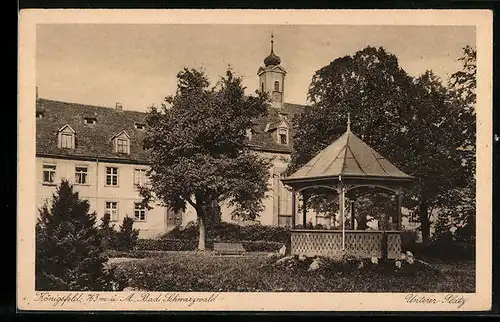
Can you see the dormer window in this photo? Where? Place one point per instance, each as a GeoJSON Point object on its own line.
{"type": "Point", "coordinates": [140, 126]}
{"type": "Point", "coordinates": [283, 136]}
{"type": "Point", "coordinates": [276, 86]}
{"type": "Point", "coordinates": [122, 146]}
{"type": "Point", "coordinates": [66, 137]}
{"type": "Point", "coordinates": [122, 142]}
{"type": "Point", "coordinates": [90, 120]}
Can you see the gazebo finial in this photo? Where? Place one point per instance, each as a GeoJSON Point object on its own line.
{"type": "Point", "coordinates": [348, 122]}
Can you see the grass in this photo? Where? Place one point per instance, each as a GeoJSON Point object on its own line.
{"type": "Point", "coordinates": [204, 272]}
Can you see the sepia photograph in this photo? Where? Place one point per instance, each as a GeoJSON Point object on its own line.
{"type": "Point", "coordinates": [173, 158]}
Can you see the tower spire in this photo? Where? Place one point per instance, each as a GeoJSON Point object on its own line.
{"type": "Point", "coordinates": [348, 122]}
{"type": "Point", "coordinates": [272, 41]}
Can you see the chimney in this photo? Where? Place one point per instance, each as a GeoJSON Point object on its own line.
{"type": "Point", "coordinates": [119, 106]}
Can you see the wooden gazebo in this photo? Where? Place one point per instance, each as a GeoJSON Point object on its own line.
{"type": "Point", "coordinates": [345, 165]}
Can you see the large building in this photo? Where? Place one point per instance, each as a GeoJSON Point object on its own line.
{"type": "Point", "coordinates": [99, 150]}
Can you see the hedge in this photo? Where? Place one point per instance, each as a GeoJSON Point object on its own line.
{"type": "Point", "coordinates": [442, 251]}
{"type": "Point", "coordinates": [190, 245]}
{"type": "Point", "coordinates": [231, 233]}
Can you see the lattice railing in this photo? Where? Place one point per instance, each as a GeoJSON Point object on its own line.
{"type": "Point", "coordinates": [365, 244]}
{"type": "Point", "coordinates": [393, 245]}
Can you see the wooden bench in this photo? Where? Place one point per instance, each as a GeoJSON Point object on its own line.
{"type": "Point", "coordinates": [229, 249]}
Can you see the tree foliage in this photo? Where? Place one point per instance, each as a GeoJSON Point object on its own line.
{"type": "Point", "coordinates": [197, 146]}
{"type": "Point", "coordinates": [107, 232]}
{"type": "Point", "coordinates": [126, 237]}
{"type": "Point", "coordinates": [417, 123]}
{"type": "Point", "coordinates": [68, 246]}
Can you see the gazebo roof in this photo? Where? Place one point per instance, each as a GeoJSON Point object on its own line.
{"type": "Point", "coordinates": [348, 158]}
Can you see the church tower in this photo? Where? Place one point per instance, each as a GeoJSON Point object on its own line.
{"type": "Point", "coordinates": [272, 77]}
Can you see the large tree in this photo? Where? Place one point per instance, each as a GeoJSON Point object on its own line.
{"type": "Point", "coordinates": [68, 246]}
{"type": "Point", "coordinates": [197, 149]}
{"type": "Point", "coordinates": [463, 83]}
{"type": "Point", "coordinates": [410, 121]}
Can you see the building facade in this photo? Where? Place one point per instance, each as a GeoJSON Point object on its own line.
{"type": "Point", "coordinates": [99, 150]}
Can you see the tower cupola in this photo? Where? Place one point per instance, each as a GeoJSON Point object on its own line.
{"type": "Point", "coordinates": [272, 59]}
{"type": "Point", "coordinates": [272, 77]}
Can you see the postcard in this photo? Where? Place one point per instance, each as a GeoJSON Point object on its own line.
{"type": "Point", "coordinates": [255, 160]}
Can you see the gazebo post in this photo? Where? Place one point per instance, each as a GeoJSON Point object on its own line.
{"type": "Point", "coordinates": [304, 209]}
{"type": "Point", "coordinates": [399, 201]}
{"type": "Point", "coordinates": [341, 192]}
{"type": "Point", "coordinates": [352, 215]}
{"type": "Point", "coordinates": [293, 209]}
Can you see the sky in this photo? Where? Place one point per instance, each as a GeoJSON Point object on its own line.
{"type": "Point", "coordinates": [101, 64]}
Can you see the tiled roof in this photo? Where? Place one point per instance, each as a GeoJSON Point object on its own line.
{"type": "Point", "coordinates": [349, 156]}
{"type": "Point", "coordinates": [264, 140]}
{"type": "Point", "coordinates": [94, 140]}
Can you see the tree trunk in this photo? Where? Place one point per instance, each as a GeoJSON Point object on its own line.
{"type": "Point", "coordinates": [424, 221]}
{"type": "Point", "coordinates": [201, 225]}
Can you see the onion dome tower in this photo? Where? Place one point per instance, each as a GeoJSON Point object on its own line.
{"type": "Point", "coordinates": [272, 77]}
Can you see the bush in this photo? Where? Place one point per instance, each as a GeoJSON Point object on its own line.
{"type": "Point", "coordinates": [107, 232]}
{"type": "Point", "coordinates": [231, 233]}
{"type": "Point", "coordinates": [126, 238]}
{"type": "Point", "coordinates": [69, 252]}
{"type": "Point", "coordinates": [408, 239]}
{"type": "Point", "coordinates": [443, 250]}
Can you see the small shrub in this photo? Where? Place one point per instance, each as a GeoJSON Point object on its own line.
{"type": "Point", "coordinates": [107, 232]}
{"type": "Point", "coordinates": [408, 239]}
{"type": "Point", "coordinates": [443, 249]}
{"type": "Point", "coordinates": [126, 238]}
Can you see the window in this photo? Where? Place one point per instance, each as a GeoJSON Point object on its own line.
{"type": "Point", "coordinates": [139, 177]}
{"type": "Point", "coordinates": [67, 141]}
{"type": "Point", "coordinates": [121, 142]}
{"type": "Point", "coordinates": [90, 120]}
{"type": "Point", "coordinates": [49, 173]}
{"type": "Point", "coordinates": [121, 145]}
{"type": "Point", "coordinates": [276, 86]}
{"type": "Point", "coordinates": [139, 126]}
{"type": "Point", "coordinates": [81, 174]}
{"type": "Point", "coordinates": [112, 210]}
{"type": "Point", "coordinates": [111, 176]}
{"type": "Point", "coordinates": [66, 137]}
{"type": "Point", "coordinates": [139, 212]}
{"type": "Point", "coordinates": [283, 136]}
{"type": "Point", "coordinates": [262, 87]}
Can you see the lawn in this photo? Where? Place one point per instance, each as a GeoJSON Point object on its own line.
{"type": "Point", "coordinates": [256, 272]}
